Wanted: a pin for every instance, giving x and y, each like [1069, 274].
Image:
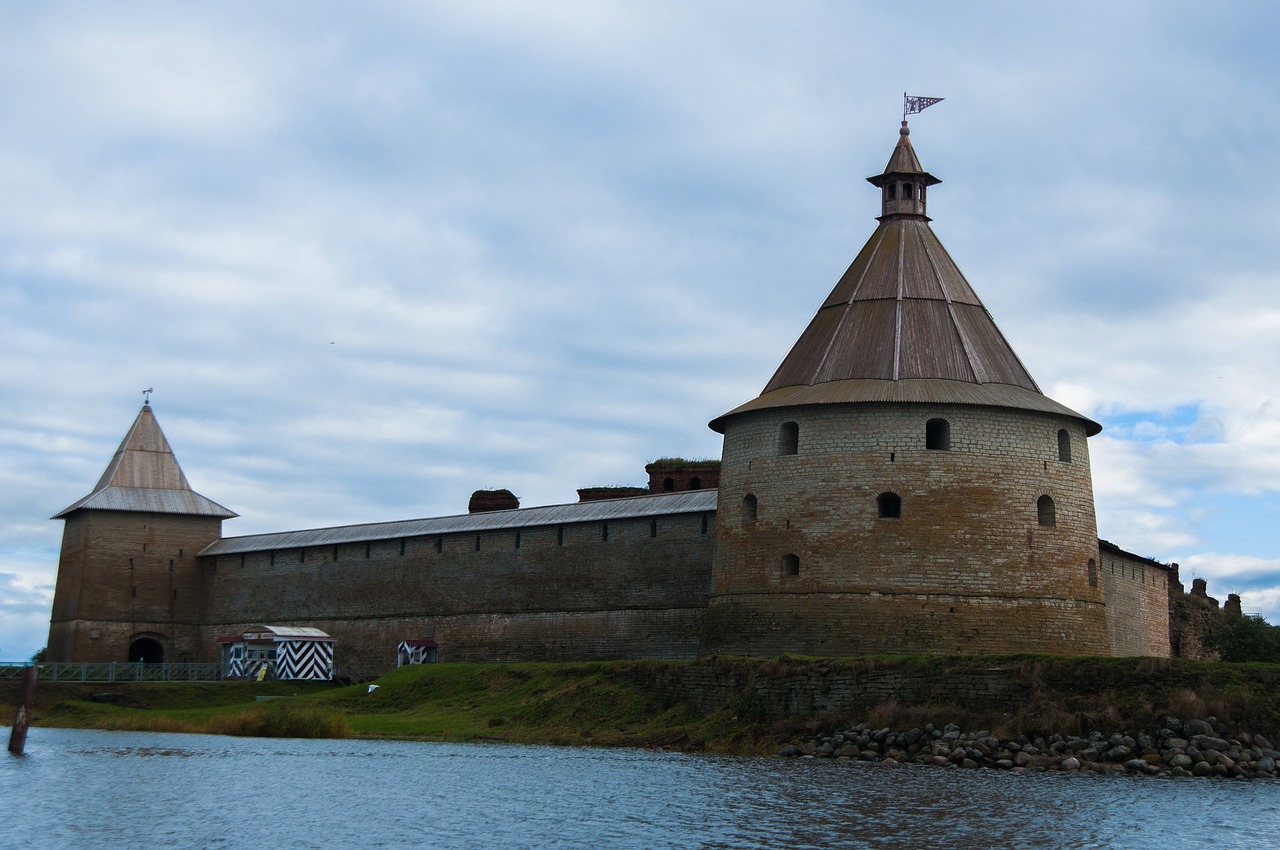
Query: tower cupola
[904, 184]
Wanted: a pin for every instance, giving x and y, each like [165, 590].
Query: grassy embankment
[620, 704]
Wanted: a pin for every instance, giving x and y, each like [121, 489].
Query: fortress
[901, 485]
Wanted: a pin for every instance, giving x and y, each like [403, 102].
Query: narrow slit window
[1093, 573]
[653, 528]
[1064, 446]
[1046, 513]
[750, 508]
[560, 535]
[517, 540]
[604, 531]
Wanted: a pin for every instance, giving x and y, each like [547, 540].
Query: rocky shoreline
[1179, 749]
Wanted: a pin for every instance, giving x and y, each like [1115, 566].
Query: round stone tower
[902, 485]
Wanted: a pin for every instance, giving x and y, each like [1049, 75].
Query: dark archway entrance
[147, 650]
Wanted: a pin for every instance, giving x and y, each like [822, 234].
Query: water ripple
[123, 790]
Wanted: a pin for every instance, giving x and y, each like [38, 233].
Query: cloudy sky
[373, 257]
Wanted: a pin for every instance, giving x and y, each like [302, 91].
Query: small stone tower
[128, 584]
[902, 484]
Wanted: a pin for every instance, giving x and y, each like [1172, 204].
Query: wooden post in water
[22, 717]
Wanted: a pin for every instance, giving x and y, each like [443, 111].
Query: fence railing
[113, 671]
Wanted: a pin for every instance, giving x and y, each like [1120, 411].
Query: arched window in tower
[1046, 513]
[1093, 573]
[1064, 446]
[937, 435]
[789, 439]
[889, 505]
[790, 565]
[749, 508]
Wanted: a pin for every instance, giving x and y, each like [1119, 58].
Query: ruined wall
[806, 563]
[1191, 616]
[1136, 591]
[123, 574]
[633, 588]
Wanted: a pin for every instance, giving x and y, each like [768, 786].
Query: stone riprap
[1192, 748]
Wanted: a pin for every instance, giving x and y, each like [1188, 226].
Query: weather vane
[146, 395]
[911, 105]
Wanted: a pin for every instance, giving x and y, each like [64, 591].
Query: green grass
[626, 703]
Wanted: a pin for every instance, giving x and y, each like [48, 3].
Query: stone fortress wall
[125, 576]
[901, 486]
[967, 558]
[622, 588]
[1137, 593]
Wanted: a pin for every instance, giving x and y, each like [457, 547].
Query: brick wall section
[634, 588]
[122, 575]
[1137, 594]
[967, 567]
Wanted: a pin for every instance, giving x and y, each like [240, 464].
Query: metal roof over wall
[665, 504]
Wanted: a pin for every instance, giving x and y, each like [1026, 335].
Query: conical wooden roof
[145, 476]
[902, 323]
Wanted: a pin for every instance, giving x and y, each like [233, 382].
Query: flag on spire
[911, 105]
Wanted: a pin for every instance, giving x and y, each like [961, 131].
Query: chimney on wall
[483, 501]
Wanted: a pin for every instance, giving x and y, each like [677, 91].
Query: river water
[77, 788]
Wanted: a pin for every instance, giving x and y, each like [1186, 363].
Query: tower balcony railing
[112, 671]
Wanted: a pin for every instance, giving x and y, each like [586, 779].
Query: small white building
[277, 652]
[420, 651]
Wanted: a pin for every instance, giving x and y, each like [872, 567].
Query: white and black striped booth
[277, 652]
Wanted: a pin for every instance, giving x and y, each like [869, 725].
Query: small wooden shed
[277, 652]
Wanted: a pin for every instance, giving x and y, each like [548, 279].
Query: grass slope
[635, 703]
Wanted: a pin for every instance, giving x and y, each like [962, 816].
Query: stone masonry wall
[634, 588]
[813, 568]
[1137, 594]
[122, 575]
